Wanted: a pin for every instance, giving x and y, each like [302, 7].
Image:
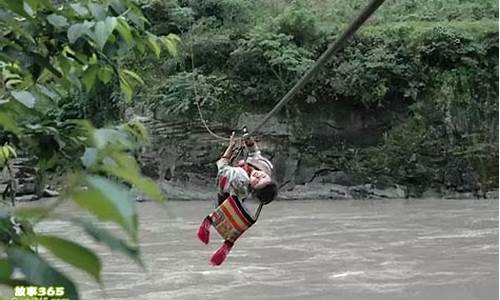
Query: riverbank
[186, 191]
[317, 191]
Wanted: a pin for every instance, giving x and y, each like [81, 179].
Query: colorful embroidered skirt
[230, 219]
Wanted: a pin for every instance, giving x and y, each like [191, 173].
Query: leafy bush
[208, 46]
[447, 141]
[168, 16]
[180, 93]
[266, 63]
[432, 64]
[51, 52]
[298, 22]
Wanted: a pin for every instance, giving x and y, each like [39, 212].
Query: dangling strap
[258, 211]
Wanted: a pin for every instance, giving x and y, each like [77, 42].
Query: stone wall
[182, 154]
[183, 151]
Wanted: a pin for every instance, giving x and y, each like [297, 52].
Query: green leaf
[98, 11]
[41, 3]
[79, 9]
[89, 77]
[105, 236]
[5, 268]
[170, 42]
[47, 91]
[17, 6]
[8, 123]
[145, 185]
[103, 137]
[109, 201]
[8, 152]
[127, 82]
[105, 74]
[72, 253]
[28, 9]
[93, 59]
[153, 45]
[124, 30]
[38, 272]
[76, 31]
[57, 21]
[65, 65]
[34, 4]
[135, 15]
[141, 47]
[24, 97]
[126, 168]
[89, 157]
[133, 75]
[103, 30]
[126, 87]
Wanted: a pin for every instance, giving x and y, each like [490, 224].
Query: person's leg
[220, 254]
[204, 230]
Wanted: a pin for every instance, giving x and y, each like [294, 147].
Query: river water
[394, 249]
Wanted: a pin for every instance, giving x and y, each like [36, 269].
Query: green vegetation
[61, 61]
[434, 64]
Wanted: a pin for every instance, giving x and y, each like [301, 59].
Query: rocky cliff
[182, 154]
[302, 148]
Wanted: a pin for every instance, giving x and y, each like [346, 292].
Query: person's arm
[251, 145]
[232, 180]
[225, 159]
[230, 148]
[255, 157]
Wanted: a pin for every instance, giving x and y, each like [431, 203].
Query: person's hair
[267, 193]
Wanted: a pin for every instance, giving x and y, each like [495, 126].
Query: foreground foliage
[55, 53]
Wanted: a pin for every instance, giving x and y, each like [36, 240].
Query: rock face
[23, 180]
[183, 152]
[492, 195]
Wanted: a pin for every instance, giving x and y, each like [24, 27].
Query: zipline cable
[337, 45]
[313, 70]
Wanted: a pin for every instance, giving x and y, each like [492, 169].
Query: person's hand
[232, 140]
[246, 135]
[248, 140]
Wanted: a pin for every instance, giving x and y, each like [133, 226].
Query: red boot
[220, 255]
[204, 231]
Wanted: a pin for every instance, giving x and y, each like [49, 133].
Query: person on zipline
[256, 178]
[247, 177]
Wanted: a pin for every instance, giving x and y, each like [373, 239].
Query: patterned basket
[230, 219]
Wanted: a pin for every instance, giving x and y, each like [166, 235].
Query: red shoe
[204, 231]
[220, 255]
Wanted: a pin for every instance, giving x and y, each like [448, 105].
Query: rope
[197, 99]
[239, 150]
[337, 45]
[206, 126]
